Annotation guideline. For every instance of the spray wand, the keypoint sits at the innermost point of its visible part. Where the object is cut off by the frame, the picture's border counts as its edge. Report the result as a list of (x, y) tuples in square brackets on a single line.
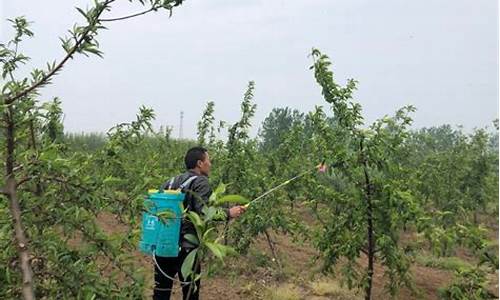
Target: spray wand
[(321, 168)]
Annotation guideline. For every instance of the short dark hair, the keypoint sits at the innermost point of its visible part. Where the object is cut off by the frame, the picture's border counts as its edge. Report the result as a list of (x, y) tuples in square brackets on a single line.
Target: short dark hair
[(193, 155)]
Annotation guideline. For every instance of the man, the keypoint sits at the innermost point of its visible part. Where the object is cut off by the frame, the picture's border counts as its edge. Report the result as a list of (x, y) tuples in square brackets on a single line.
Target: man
[(197, 164)]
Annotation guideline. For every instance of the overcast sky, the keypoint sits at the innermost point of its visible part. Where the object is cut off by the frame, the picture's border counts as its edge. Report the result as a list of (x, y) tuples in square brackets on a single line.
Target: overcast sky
[(439, 55)]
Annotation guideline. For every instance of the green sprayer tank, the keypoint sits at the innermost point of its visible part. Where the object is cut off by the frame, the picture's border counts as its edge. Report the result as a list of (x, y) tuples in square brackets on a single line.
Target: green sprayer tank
[(161, 220), (161, 223)]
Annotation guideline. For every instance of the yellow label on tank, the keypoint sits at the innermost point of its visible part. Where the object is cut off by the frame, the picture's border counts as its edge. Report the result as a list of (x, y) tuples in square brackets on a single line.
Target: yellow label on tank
[(153, 191)]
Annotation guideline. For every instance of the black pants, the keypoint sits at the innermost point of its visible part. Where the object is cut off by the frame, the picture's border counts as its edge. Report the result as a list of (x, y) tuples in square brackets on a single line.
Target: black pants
[(172, 266)]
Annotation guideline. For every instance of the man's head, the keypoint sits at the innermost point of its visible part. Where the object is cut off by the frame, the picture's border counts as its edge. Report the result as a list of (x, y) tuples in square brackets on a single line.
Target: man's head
[(197, 159)]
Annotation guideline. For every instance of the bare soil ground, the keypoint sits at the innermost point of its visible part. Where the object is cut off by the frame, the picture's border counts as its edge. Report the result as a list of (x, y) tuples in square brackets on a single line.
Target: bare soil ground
[(257, 276)]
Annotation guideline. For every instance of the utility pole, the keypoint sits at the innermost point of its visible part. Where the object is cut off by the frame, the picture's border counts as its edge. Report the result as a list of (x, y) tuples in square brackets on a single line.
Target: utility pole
[(180, 127)]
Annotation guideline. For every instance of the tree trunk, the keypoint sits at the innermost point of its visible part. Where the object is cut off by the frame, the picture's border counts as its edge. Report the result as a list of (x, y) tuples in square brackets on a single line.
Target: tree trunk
[(369, 219), (273, 250), (225, 232), (371, 241), (15, 208), (22, 242)]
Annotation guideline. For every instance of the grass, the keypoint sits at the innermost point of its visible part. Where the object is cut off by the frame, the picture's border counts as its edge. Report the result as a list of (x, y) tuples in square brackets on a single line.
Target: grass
[(259, 258), (248, 288), (285, 291), (451, 263), (332, 289)]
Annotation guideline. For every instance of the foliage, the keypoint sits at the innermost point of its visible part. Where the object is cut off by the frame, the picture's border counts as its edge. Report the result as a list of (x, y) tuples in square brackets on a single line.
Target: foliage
[(206, 240), (53, 244), (205, 125), (470, 284), (276, 125), (383, 179), (365, 192)]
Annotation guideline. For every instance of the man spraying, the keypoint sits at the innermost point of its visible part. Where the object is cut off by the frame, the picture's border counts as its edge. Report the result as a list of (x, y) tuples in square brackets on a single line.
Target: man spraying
[(198, 167)]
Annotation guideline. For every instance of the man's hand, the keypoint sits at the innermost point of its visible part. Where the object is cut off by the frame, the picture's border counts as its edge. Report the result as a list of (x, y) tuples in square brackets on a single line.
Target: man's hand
[(236, 211)]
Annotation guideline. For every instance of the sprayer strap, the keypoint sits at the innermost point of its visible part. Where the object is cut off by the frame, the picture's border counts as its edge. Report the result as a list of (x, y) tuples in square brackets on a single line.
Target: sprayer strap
[(187, 183), (171, 182), (167, 185)]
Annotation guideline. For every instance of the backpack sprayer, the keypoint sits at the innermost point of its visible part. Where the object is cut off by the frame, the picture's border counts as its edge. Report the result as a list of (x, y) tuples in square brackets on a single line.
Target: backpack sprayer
[(161, 221)]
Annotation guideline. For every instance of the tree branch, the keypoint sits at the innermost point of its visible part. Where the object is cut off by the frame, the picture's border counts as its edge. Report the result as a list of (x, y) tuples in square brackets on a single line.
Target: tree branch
[(62, 181), (46, 78), (131, 16), (23, 180), (17, 168), (270, 242)]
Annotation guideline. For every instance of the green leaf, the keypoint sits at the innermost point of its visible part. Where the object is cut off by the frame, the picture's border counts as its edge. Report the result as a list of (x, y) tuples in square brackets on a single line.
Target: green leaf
[(187, 265), (221, 189), (192, 239), (220, 250), (213, 198), (231, 199), (197, 221), (166, 215), (208, 232), (7, 275), (209, 212), (112, 180)]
